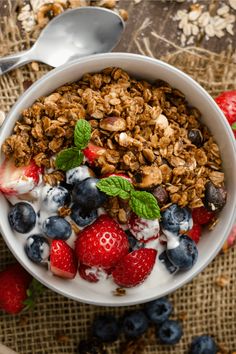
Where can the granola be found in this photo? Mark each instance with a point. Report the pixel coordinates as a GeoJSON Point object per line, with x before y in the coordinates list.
{"type": "Point", "coordinates": [144, 129]}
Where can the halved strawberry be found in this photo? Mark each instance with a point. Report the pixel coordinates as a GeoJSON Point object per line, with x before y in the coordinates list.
{"type": "Point", "coordinates": [18, 180]}
{"type": "Point", "coordinates": [101, 244]}
{"type": "Point", "coordinates": [135, 267]}
{"type": "Point", "coordinates": [63, 261]}
{"type": "Point", "coordinates": [93, 152]}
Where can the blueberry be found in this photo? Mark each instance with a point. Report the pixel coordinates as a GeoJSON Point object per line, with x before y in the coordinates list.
{"type": "Point", "coordinates": [185, 255]}
{"type": "Point", "coordinates": [57, 228]}
{"type": "Point", "coordinates": [158, 311]}
{"type": "Point", "coordinates": [106, 328]}
{"type": "Point", "coordinates": [78, 174]}
{"type": "Point", "coordinates": [87, 195]}
{"type": "Point", "coordinates": [54, 198]}
{"type": "Point", "coordinates": [176, 219]}
{"type": "Point", "coordinates": [169, 266]}
{"type": "Point", "coordinates": [135, 323]}
{"type": "Point", "coordinates": [37, 248]}
{"type": "Point", "coordinates": [215, 198]}
{"type": "Point", "coordinates": [133, 242]}
{"type": "Point", "coordinates": [170, 332]}
{"type": "Point", "coordinates": [195, 136]}
{"type": "Point", "coordinates": [82, 217]}
{"type": "Point", "coordinates": [203, 345]}
{"type": "Point", "coordinates": [91, 346]}
{"type": "Point", "coordinates": [22, 217]}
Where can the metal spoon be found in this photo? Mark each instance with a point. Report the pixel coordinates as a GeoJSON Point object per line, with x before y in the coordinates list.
{"type": "Point", "coordinates": [73, 34]}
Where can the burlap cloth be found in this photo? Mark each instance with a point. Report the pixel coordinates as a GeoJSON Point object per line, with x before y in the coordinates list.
{"type": "Point", "coordinates": [57, 324]}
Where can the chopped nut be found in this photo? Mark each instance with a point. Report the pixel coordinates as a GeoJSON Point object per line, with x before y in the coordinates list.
{"type": "Point", "coordinates": [151, 176]}
{"type": "Point", "coordinates": [113, 124]}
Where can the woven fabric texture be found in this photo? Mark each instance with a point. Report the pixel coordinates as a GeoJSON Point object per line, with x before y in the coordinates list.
{"type": "Point", "coordinates": [57, 324]}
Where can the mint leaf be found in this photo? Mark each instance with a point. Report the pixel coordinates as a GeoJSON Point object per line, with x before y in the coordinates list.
{"type": "Point", "coordinates": [69, 158]}
{"type": "Point", "coordinates": [115, 186]}
{"type": "Point", "coordinates": [144, 204]}
{"type": "Point", "coordinates": [233, 126]}
{"type": "Point", "coordinates": [82, 133]}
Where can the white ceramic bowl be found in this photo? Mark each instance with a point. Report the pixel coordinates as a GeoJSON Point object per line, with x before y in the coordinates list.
{"type": "Point", "coordinates": [149, 69]}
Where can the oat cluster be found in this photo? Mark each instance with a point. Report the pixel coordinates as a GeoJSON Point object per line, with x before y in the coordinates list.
{"type": "Point", "coordinates": [197, 22]}
{"type": "Point", "coordinates": [144, 129]}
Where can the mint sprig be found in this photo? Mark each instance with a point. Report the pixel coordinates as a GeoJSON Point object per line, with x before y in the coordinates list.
{"type": "Point", "coordinates": [73, 157]}
{"type": "Point", "coordinates": [82, 134]}
{"type": "Point", "coordinates": [144, 204]}
{"type": "Point", "coordinates": [115, 186]}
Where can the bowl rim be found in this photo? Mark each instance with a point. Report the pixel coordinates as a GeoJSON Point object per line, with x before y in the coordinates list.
{"type": "Point", "coordinates": [143, 59]}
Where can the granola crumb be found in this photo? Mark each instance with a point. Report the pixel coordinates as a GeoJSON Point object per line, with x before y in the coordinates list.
{"type": "Point", "coordinates": [35, 66]}
{"type": "Point", "coordinates": [124, 14]}
{"type": "Point", "coordinates": [64, 211]}
{"type": "Point", "coordinates": [119, 292]}
{"type": "Point", "coordinates": [222, 281]}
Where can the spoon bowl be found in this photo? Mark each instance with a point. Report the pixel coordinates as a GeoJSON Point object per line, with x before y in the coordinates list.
{"type": "Point", "coordinates": [73, 34]}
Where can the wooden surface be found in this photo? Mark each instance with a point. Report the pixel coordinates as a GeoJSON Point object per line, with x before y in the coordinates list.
{"type": "Point", "coordinates": [155, 16]}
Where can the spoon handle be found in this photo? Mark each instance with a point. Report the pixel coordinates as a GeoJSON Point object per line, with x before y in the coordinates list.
{"type": "Point", "coordinates": [14, 61]}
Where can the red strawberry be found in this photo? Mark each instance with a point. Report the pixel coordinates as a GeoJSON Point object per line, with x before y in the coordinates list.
{"type": "Point", "coordinates": [88, 274]}
{"type": "Point", "coordinates": [14, 282]}
{"type": "Point", "coordinates": [101, 244]}
{"type": "Point", "coordinates": [18, 180]}
{"type": "Point", "coordinates": [202, 216]}
{"type": "Point", "coordinates": [93, 152]}
{"type": "Point", "coordinates": [195, 232]}
{"type": "Point", "coordinates": [63, 261]}
{"type": "Point", "coordinates": [227, 103]}
{"type": "Point", "coordinates": [135, 267]}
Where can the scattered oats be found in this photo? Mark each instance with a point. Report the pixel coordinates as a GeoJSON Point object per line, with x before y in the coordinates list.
{"type": "Point", "coordinates": [204, 19]}
{"type": "Point", "coordinates": [229, 29]}
{"type": "Point", "coordinates": [223, 10]}
{"type": "Point", "coordinates": [137, 2]}
{"type": "Point", "coordinates": [2, 117]}
{"type": "Point", "coordinates": [197, 23]}
{"type": "Point", "coordinates": [193, 15]}
{"type": "Point", "coordinates": [232, 3]}
{"type": "Point", "coordinates": [36, 4]}
{"type": "Point", "coordinates": [209, 29]}
{"type": "Point", "coordinates": [35, 66]}
{"type": "Point", "coordinates": [222, 281]}
{"type": "Point", "coordinates": [27, 18]}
